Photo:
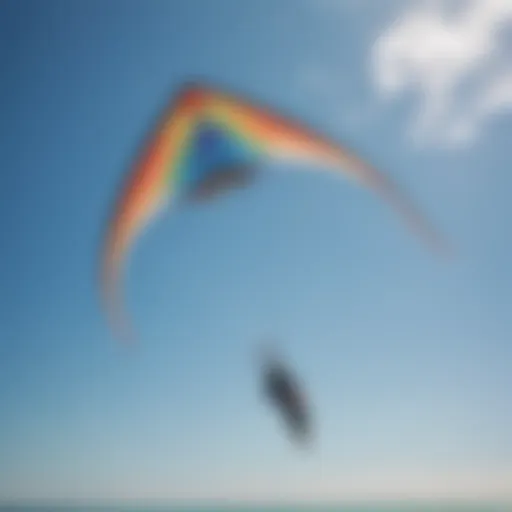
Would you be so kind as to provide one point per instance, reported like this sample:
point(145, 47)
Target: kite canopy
point(208, 142)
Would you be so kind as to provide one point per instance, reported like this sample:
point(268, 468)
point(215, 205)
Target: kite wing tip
point(118, 324)
point(444, 248)
point(124, 331)
point(128, 337)
point(124, 334)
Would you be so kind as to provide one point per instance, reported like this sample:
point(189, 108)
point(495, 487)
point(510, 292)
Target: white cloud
point(450, 54)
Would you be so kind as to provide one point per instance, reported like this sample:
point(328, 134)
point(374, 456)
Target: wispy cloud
point(454, 56)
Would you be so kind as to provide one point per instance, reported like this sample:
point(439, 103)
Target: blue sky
point(407, 357)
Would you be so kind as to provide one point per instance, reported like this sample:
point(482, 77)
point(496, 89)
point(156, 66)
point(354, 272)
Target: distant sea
point(416, 507)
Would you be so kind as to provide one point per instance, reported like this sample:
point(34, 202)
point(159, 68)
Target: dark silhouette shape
point(281, 388)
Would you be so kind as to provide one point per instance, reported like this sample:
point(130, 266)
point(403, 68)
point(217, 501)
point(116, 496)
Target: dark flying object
point(282, 390)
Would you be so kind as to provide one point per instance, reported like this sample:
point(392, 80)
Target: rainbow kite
point(210, 141)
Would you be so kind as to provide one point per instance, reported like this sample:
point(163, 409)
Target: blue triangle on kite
point(213, 149)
